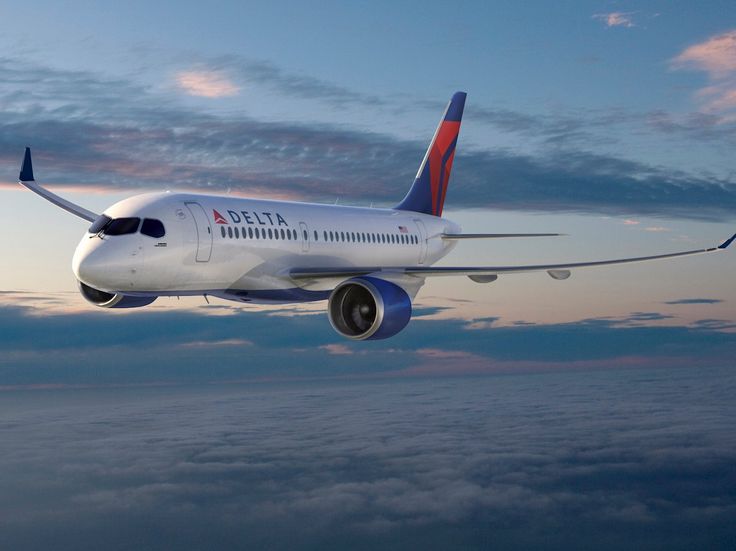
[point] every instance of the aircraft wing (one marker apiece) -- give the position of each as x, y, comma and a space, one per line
25, 178
483, 274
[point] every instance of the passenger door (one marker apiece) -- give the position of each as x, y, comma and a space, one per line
204, 231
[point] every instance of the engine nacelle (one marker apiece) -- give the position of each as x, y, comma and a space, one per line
110, 300
366, 308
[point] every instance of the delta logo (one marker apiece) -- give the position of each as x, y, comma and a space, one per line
219, 218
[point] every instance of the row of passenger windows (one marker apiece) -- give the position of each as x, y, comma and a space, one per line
234, 232
258, 233
123, 226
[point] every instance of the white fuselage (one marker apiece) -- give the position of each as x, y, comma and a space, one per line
243, 249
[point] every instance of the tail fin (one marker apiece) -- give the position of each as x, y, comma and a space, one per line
427, 194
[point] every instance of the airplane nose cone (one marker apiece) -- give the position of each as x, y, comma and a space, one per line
89, 266
108, 264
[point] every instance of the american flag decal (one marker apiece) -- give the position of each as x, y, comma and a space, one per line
402, 229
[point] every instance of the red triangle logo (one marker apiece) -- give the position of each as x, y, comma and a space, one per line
219, 218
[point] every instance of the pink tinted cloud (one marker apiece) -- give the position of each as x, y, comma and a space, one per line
208, 84
616, 19
337, 349
716, 56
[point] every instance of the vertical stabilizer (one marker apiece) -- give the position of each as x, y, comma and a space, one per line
427, 194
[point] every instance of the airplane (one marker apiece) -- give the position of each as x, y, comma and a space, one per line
368, 263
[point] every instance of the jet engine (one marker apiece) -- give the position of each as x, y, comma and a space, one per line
368, 308
112, 300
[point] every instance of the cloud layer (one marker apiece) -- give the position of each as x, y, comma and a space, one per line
636, 459
173, 347
93, 131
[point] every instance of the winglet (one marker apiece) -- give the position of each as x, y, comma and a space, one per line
727, 242
26, 171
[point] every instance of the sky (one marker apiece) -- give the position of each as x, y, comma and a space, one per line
613, 122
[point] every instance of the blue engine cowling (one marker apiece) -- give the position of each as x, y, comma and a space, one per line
112, 300
368, 308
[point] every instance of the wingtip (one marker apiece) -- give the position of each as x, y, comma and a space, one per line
26, 170
727, 242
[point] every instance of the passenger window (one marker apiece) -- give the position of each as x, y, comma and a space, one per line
270, 233
250, 233
230, 233
122, 226
237, 233
222, 230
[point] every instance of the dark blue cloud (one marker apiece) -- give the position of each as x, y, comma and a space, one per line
108, 347
695, 301
87, 129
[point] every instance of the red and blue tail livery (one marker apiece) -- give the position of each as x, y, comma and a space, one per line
427, 195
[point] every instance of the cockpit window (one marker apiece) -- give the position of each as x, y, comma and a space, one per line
99, 224
122, 226
153, 228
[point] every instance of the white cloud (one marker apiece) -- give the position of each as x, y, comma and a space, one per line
616, 19
208, 84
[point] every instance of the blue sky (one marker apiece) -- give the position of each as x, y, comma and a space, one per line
613, 122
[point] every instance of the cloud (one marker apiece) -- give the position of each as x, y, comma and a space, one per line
89, 131
616, 19
337, 349
208, 84
629, 458
217, 343
695, 301
716, 56
291, 84
169, 346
